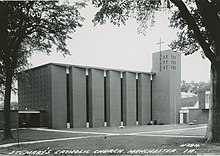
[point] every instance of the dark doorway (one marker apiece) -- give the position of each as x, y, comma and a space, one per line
29, 120
185, 118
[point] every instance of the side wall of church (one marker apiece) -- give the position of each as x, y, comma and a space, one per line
96, 98
77, 97
144, 99
58, 97
80, 95
113, 98
129, 99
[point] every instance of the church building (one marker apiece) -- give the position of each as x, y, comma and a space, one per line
58, 95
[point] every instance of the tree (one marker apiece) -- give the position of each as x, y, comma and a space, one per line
184, 86
194, 87
29, 26
199, 22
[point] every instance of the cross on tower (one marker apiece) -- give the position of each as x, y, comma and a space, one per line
160, 43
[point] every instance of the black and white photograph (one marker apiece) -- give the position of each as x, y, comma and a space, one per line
109, 77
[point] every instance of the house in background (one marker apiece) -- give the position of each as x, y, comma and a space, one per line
195, 109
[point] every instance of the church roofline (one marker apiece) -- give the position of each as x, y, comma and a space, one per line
167, 50
91, 67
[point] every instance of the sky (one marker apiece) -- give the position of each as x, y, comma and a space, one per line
122, 47
110, 46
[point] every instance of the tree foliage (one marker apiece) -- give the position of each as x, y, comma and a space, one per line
37, 25
187, 41
29, 26
194, 87
200, 27
119, 11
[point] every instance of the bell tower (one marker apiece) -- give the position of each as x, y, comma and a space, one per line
166, 86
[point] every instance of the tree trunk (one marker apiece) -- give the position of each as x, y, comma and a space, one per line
7, 102
213, 130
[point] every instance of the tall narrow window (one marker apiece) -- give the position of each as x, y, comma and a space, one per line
67, 97
87, 98
122, 99
151, 100
136, 99
105, 107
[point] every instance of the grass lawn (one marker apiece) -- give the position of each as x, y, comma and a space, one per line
126, 143
31, 135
